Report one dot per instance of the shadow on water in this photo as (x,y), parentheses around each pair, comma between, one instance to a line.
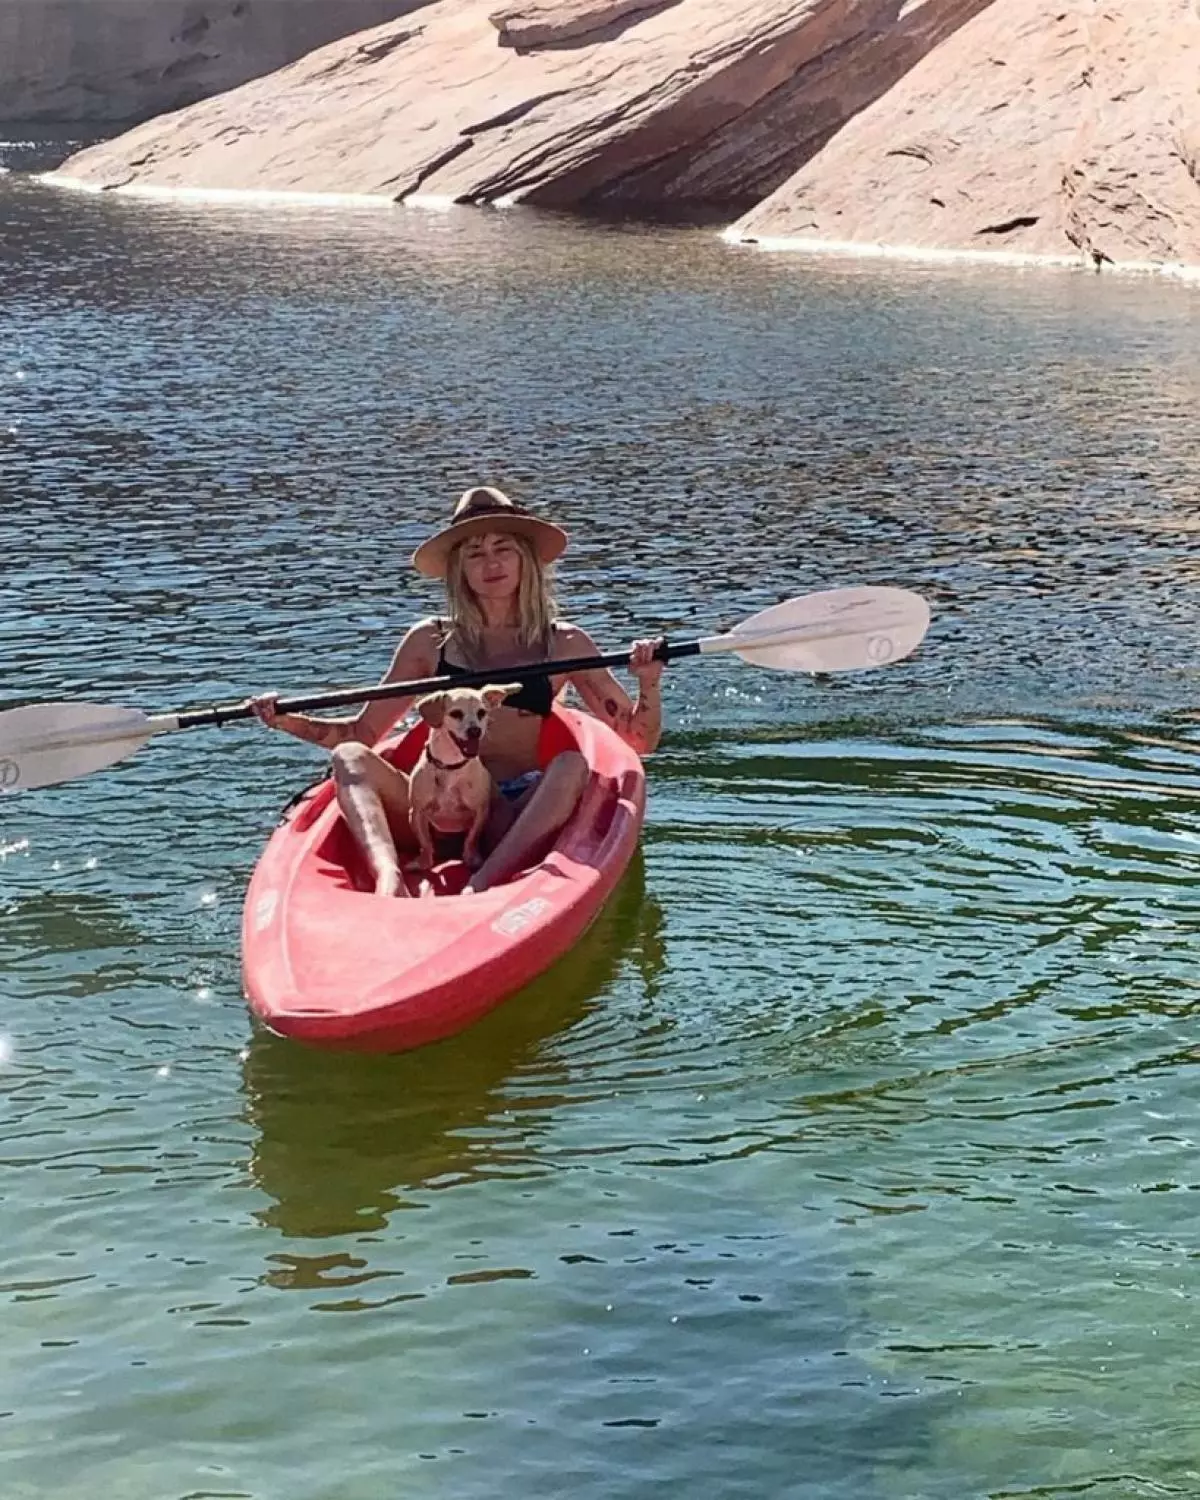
(88,938)
(341,1137)
(67,921)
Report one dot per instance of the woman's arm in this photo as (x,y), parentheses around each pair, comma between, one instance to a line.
(639,724)
(415,656)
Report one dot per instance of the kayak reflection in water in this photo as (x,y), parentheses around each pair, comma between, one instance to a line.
(494,558)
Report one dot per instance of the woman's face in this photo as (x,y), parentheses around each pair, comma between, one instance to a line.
(492,565)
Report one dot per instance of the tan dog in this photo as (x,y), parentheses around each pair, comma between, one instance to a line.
(449,788)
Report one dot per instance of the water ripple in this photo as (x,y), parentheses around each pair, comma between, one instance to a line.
(859,1128)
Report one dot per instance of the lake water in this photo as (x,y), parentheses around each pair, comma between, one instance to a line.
(850,1155)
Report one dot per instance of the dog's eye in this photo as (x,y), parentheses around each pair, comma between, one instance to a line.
(456,713)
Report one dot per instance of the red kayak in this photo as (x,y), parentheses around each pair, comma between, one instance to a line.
(326,961)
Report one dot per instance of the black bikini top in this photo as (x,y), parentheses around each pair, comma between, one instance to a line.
(535,697)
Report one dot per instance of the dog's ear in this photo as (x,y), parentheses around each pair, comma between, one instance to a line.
(495,693)
(432,709)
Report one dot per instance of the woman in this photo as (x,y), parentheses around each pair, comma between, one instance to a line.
(494,559)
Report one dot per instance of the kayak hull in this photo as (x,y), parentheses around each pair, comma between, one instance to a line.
(327,962)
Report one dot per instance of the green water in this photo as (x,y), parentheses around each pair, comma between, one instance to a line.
(851,1154)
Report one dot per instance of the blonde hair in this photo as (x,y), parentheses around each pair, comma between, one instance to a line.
(537,609)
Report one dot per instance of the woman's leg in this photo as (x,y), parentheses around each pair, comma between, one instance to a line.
(372,796)
(551,803)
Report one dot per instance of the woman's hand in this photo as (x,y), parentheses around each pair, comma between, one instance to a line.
(265,708)
(645,666)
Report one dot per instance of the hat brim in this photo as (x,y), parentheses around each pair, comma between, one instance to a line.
(549,541)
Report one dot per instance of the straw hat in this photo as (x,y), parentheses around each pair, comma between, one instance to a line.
(486,509)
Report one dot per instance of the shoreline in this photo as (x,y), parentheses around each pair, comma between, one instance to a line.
(259,197)
(1180,271)
(934,255)
(266,196)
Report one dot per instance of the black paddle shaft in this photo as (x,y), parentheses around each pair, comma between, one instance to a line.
(418,689)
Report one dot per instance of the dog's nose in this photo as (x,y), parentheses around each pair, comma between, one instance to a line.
(473,731)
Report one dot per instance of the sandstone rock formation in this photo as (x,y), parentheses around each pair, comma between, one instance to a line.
(1065,130)
(538,23)
(1014,126)
(644,103)
(124,60)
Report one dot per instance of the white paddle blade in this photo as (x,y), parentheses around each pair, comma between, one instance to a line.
(45,743)
(837,630)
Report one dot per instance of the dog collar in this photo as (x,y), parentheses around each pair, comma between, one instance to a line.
(441,764)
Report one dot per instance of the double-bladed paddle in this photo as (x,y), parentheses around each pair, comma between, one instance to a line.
(836,630)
